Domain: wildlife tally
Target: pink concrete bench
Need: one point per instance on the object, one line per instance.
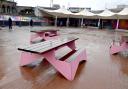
(50, 34)
(73, 61)
(44, 34)
(122, 45)
(47, 49)
(40, 39)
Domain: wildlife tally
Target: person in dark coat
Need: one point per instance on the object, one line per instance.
(10, 23)
(31, 23)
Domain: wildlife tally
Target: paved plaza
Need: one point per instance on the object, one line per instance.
(100, 71)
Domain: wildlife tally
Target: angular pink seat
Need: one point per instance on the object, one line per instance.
(44, 34)
(118, 48)
(69, 67)
(46, 49)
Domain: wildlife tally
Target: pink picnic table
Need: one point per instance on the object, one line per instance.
(44, 34)
(123, 45)
(47, 49)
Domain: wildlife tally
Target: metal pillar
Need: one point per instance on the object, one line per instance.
(82, 22)
(56, 21)
(67, 23)
(117, 24)
(99, 23)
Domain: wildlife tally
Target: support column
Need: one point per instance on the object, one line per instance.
(56, 21)
(67, 23)
(1, 9)
(6, 11)
(82, 22)
(117, 24)
(99, 23)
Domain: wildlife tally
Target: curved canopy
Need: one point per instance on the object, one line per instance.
(62, 12)
(123, 12)
(107, 14)
(85, 12)
(37, 12)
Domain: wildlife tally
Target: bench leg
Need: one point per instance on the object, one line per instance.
(74, 64)
(33, 36)
(72, 45)
(115, 49)
(51, 38)
(27, 58)
(42, 34)
(61, 66)
(36, 35)
(54, 32)
(68, 70)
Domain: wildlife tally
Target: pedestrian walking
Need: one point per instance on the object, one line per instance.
(31, 23)
(10, 23)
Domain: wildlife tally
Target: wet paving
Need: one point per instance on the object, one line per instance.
(100, 71)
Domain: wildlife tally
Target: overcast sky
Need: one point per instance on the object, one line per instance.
(94, 4)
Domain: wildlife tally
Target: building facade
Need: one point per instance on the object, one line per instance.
(8, 7)
(20, 15)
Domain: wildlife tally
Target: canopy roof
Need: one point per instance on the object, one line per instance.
(123, 12)
(106, 13)
(37, 12)
(85, 12)
(63, 12)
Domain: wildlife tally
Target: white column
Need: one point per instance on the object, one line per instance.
(67, 23)
(1, 9)
(82, 22)
(99, 23)
(56, 21)
(117, 24)
(6, 11)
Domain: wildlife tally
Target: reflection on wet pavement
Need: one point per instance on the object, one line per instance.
(101, 71)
